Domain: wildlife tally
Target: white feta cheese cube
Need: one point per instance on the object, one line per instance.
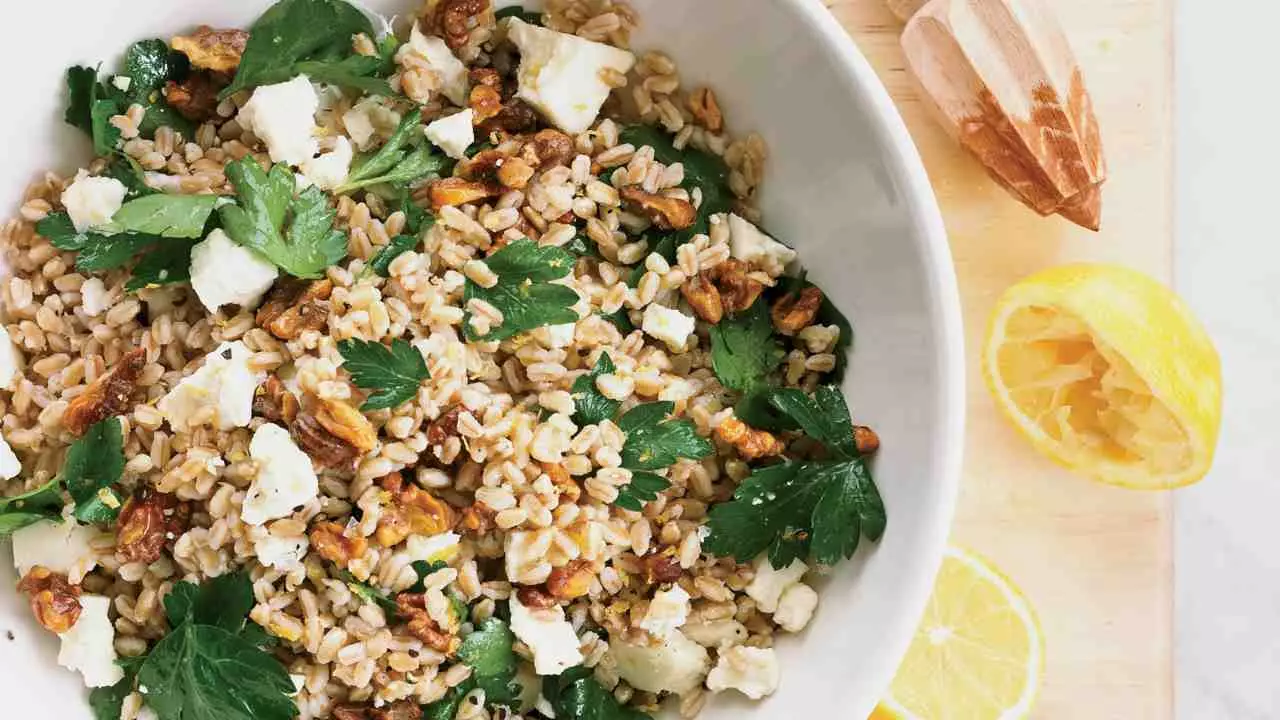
(453, 134)
(795, 607)
(668, 325)
(285, 477)
(369, 120)
(10, 466)
(329, 170)
(754, 672)
(122, 82)
(63, 547)
(434, 548)
(284, 117)
(89, 646)
(678, 665)
(91, 201)
(455, 81)
(749, 244)
(556, 336)
(562, 75)
(9, 360)
(767, 586)
(226, 273)
(282, 553)
(668, 610)
(716, 633)
(548, 634)
(226, 381)
(94, 297)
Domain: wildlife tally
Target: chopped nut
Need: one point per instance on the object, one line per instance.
(350, 711)
(487, 77)
(325, 449)
(794, 313)
(294, 306)
(453, 20)
(412, 510)
(865, 439)
(703, 296)
(413, 607)
(148, 522)
(209, 49)
(569, 489)
(666, 213)
(107, 396)
(482, 167)
(515, 117)
(738, 291)
(533, 597)
(399, 710)
(552, 148)
(661, 567)
(347, 423)
(571, 581)
(459, 191)
(485, 102)
(750, 443)
(706, 109)
(515, 173)
(477, 519)
(196, 97)
(274, 402)
(445, 426)
(328, 540)
(54, 600)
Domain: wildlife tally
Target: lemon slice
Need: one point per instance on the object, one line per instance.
(977, 655)
(1107, 372)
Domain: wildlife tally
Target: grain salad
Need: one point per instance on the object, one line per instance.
(434, 366)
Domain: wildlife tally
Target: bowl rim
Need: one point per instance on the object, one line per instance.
(929, 233)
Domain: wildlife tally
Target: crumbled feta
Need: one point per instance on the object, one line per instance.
(453, 134)
(454, 77)
(749, 244)
(668, 325)
(282, 553)
(668, 611)
(678, 665)
(94, 297)
(549, 636)
(299, 682)
(283, 116)
(716, 633)
(563, 75)
(369, 120)
(91, 201)
(795, 607)
(330, 169)
(8, 360)
(225, 381)
(285, 478)
(10, 466)
(767, 586)
(225, 273)
(433, 548)
(556, 336)
(122, 82)
(751, 671)
(63, 547)
(89, 646)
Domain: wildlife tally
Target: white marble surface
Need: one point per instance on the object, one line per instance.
(1227, 265)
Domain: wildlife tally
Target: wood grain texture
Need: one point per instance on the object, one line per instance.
(1095, 561)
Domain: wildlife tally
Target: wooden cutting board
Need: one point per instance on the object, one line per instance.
(1095, 562)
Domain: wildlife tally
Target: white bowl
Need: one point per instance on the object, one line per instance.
(844, 185)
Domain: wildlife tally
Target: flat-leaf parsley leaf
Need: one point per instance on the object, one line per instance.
(654, 440)
(525, 293)
(488, 652)
(393, 372)
(591, 406)
(575, 694)
(93, 466)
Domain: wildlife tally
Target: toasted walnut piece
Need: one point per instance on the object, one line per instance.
(481, 167)
(738, 291)
(328, 540)
(459, 191)
(209, 49)
(865, 439)
(516, 116)
(273, 402)
(537, 598)
(515, 173)
(795, 312)
(411, 510)
(485, 102)
(661, 567)
(750, 443)
(54, 600)
(706, 109)
(196, 97)
(487, 77)
(413, 608)
(347, 423)
(553, 148)
(149, 521)
(294, 306)
(399, 710)
(703, 296)
(351, 711)
(445, 426)
(454, 19)
(477, 519)
(571, 581)
(107, 396)
(324, 448)
(666, 213)
(569, 489)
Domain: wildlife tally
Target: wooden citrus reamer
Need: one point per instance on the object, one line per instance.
(1008, 87)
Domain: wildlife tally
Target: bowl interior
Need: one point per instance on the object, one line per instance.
(844, 186)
